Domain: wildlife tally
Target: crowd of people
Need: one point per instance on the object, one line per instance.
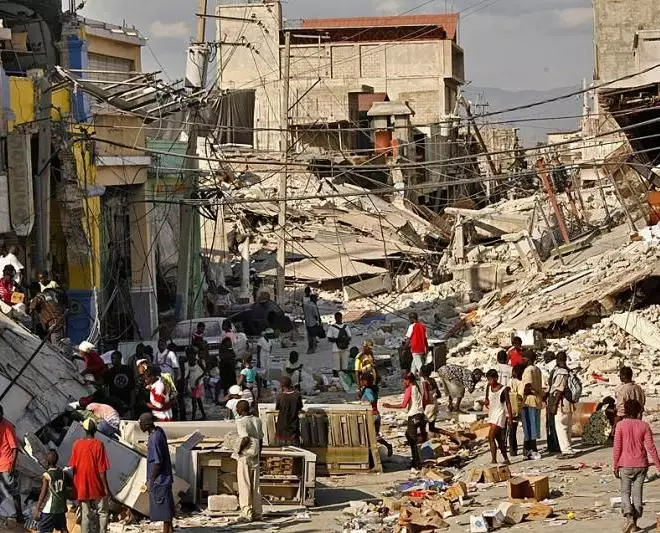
(155, 386)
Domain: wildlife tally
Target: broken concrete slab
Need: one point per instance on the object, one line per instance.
(480, 276)
(409, 282)
(639, 327)
(368, 287)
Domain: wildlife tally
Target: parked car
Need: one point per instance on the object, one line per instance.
(183, 332)
(182, 335)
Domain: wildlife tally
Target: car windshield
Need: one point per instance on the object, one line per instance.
(185, 330)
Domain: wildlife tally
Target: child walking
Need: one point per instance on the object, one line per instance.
(499, 411)
(196, 384)
(633, 445)
(51, 507)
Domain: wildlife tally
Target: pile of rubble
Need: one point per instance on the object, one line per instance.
(434, 496)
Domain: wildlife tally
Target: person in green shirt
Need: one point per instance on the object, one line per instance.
(51, 507)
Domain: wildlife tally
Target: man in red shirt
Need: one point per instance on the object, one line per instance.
(419, 346)
(8, 455)
(515, 353)
(89, 462)
(94, 365)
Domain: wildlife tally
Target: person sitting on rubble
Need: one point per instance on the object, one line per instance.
(499, 412)
(413, 401)
(432, 393)
(515, 354)
(628, 390)
(455, 380)
(598, 430)
(368, 393)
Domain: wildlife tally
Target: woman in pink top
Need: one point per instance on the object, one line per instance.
(633, 444)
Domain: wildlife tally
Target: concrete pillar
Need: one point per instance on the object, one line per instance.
(143, 264)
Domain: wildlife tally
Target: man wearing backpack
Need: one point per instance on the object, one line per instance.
(339, 335)
(561, 403)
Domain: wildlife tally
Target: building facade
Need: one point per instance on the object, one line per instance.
(335, 65)
(616, 23)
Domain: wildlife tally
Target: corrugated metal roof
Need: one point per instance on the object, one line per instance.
(448, 21)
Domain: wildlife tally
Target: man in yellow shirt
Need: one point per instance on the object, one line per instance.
(532, 382)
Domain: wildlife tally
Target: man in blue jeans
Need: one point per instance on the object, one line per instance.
(8, 456)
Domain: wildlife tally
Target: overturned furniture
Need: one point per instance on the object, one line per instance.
(287, 475)
(343, 437)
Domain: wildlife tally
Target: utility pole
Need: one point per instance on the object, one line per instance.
(549, 191)
(187, 218)
(284, 142)
(478, 135)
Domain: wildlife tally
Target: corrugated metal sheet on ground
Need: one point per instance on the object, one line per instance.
(327, 269)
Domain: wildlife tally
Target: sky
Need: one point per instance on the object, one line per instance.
(509, 44)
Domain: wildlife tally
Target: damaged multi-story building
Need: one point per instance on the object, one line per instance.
(376, 90)
(77, 173)
(627, 46)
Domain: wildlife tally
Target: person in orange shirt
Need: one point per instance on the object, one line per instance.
(90, 464)
(8, 456)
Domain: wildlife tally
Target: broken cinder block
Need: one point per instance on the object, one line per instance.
(219, 503)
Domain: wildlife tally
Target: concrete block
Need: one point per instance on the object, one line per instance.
(222, 503)
(368, 287)
(409, 282)
(482, 276)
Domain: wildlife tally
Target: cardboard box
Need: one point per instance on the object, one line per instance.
(525, 489)
(478, 524)
(493, 474)
(480, 430)
(456, 491)
(494, 519)
(539, 512)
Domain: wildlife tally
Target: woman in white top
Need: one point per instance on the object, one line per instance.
(499, 411)
(413, 400)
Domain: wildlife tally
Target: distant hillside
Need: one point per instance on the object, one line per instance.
(533, 131)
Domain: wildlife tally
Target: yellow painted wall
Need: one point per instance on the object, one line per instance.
(21, 101)
(112, 48)
(61, 104)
